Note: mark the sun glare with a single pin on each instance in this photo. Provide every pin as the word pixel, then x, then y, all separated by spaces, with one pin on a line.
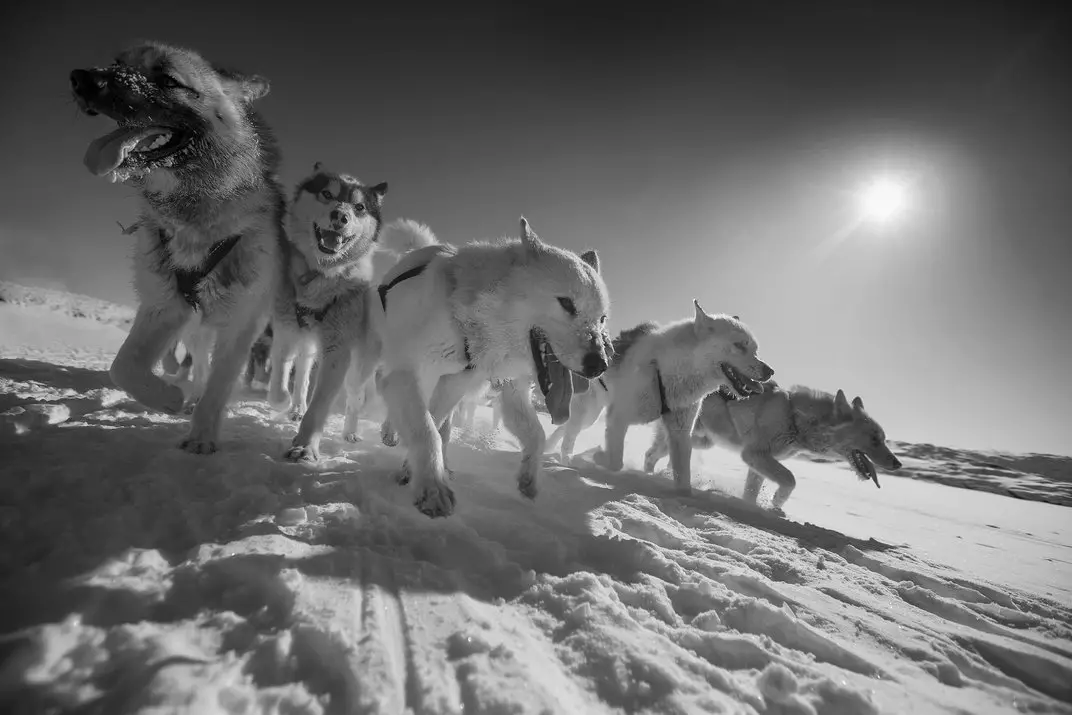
pixel 883 200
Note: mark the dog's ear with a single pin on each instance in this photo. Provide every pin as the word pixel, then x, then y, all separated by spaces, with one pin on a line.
pixel 592 259
pixel 254 87
pixel 858 404
pixel 736 317
pixel 528 236
pixel 701 315
pixel 379 191
pixel 841 404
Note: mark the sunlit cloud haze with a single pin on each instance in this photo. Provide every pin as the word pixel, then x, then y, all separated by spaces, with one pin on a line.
pixel 715 154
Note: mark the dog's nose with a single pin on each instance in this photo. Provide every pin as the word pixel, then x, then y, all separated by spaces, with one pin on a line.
pixel 594 365
pixel 81 80
pixel 339 217
pixel 896 463
pixel 766 372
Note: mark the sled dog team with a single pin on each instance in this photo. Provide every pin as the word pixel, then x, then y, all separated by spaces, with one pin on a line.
pixel 223 252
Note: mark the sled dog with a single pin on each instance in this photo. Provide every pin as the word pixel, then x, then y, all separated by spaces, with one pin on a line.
pixel 777 424
pixel 323 306
pixel 453 318
pixel 210 234
pixel 663 373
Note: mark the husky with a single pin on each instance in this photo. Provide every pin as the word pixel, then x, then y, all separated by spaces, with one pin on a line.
pixel 210 235
pixel 297 346
pixel 324 305
pixel 663 373
pixel 451 318
pixel 776 424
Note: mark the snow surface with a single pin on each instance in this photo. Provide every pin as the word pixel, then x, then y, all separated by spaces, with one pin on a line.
pixel 140 579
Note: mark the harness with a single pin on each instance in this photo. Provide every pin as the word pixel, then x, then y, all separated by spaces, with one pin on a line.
pixel 413 273
pixel 664 409
pixel 302 313
pixel 188 280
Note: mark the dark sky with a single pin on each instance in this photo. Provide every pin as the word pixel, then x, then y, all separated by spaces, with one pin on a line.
pixel 707 150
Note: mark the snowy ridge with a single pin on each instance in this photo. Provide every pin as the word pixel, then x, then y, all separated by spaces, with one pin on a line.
pixel 72 304
pixel 138 578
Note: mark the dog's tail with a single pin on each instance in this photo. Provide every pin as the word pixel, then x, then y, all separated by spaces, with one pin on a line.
pixel 404 235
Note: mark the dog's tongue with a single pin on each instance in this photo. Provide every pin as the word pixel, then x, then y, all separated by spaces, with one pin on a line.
pixel 331 239
pixel 561 392
pixel 107 153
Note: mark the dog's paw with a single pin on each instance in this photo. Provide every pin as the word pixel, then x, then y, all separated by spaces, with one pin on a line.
pixel 526 484
pixel 387 435
pixel 435 501
pixel 190 406
pixel 402 476
pixel 600 458
pixel 302 453
pixel 279 403
pixel 296 415
pixel 352 437
pixel 198 446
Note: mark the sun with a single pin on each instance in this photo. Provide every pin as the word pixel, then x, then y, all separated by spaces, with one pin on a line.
pixel 883 200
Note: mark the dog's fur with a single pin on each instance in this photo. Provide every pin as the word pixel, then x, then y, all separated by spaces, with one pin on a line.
pixel 488 395
pixel 205 164
pixel 452 318
pixel 663 373
pixel 777 424
pixel 333 225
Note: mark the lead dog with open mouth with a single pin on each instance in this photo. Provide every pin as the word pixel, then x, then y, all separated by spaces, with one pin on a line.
pixel 210 235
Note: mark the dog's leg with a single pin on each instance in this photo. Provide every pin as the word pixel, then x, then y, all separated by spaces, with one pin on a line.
pixel 153 330
pixel 303 365
pixel 282 357
pixel 753 483
pixel 198 347
pixel 678 424
pixel 660 447
pixel 496 413
pixel 521 420
pixel 228 357
pixel 334 362
pixel 587 413
pixel 612 456
pixel 764 463
pixel 448 392
pixel 388 435
pixel 424 446
pixel 358 378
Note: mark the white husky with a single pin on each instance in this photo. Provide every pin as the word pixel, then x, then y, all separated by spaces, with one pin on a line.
pixel 664 373
pixel 451 318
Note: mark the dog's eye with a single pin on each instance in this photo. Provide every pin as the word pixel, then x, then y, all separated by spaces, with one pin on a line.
pixel 602 319
pixel 326 195
pixel 169 82
pixel 568 306
pixel 359 207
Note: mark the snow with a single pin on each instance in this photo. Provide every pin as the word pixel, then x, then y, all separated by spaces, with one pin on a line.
pixel 141 579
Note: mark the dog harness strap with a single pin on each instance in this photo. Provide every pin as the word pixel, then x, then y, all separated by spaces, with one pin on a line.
pixel 411 273
pixel 303 313
pixel 664 409
pixel 188 280
pixel 604 386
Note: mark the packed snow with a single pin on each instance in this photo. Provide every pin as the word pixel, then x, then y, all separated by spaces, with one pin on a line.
pixel 141 579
